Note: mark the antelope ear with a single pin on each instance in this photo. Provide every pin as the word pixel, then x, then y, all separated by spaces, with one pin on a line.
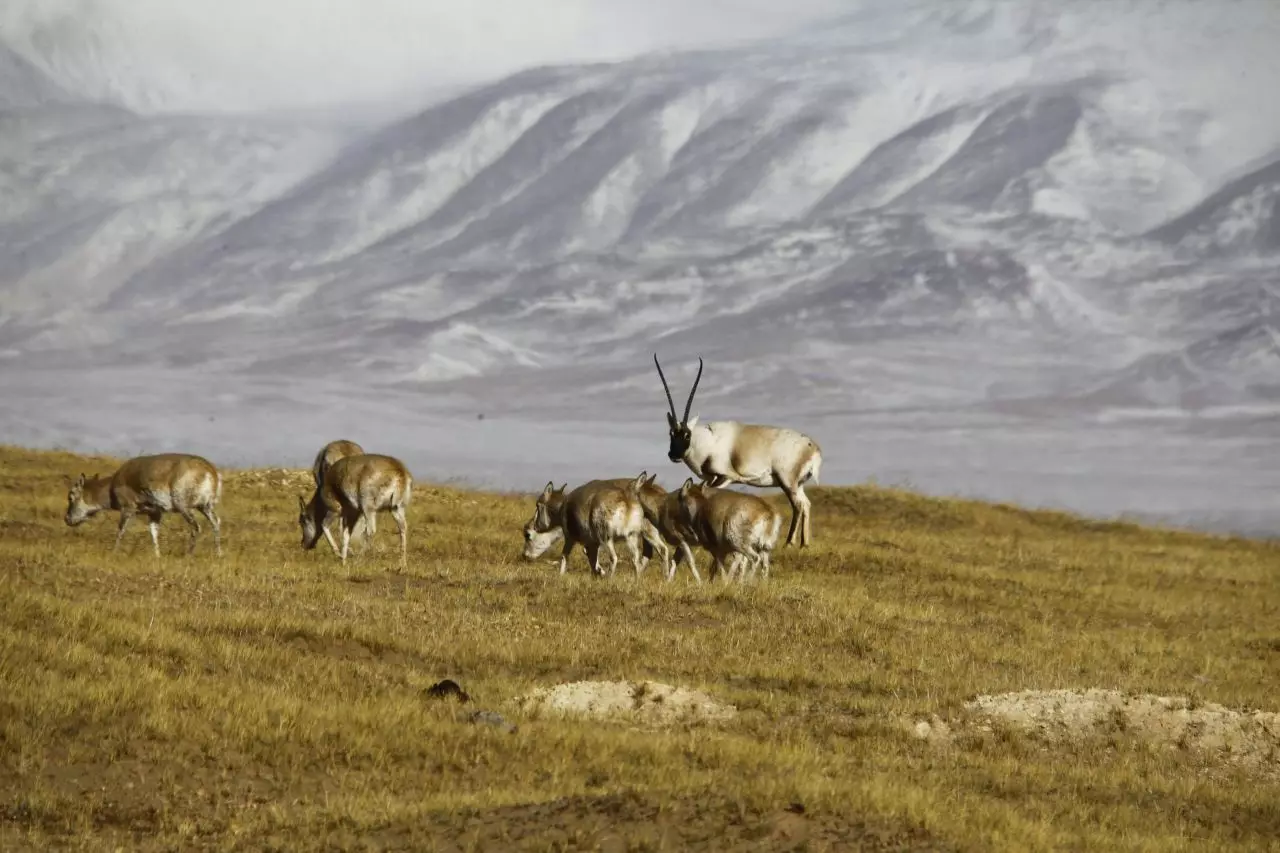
pixel 302 504
pixel 563 486
pixel 688 484
pixel 548 489
pixel 652 479
pixel 639 481
pixel 692 422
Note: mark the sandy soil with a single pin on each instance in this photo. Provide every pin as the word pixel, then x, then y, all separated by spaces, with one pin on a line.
pixel 649 702
pixel 1248 738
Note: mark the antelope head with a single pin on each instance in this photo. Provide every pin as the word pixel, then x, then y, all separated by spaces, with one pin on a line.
pixel 681 431
pixel 311 520
pixel 79 509
pixel 541 532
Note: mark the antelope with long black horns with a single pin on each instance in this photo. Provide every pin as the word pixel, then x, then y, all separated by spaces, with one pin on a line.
pixel 721 452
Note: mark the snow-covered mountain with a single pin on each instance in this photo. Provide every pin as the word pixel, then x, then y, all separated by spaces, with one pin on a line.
pixel 921 206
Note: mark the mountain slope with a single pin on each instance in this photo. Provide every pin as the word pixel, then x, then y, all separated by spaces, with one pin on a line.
pixel 24 86
pixel 1241 216
pixel 899 186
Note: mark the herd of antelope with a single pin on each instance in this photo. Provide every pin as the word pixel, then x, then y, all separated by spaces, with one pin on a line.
pixel 738 530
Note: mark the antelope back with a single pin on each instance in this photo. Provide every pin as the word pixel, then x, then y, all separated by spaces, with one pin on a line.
pixel 726 506
pixel 581 503
pixel 720 516
pixel 781 448
pixel 602 508
pixel 183 477
pixel 652 496
pixel 331 453
pixel 370 481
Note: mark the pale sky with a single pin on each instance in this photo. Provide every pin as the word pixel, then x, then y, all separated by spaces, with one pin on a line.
pixel 264 54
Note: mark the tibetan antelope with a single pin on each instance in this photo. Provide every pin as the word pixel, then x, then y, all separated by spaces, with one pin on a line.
pixel 329 454
pixel 736 528
pixel 721 452
pixel 662 509
pixel 357 488
pixel 594 514
pixel 152 486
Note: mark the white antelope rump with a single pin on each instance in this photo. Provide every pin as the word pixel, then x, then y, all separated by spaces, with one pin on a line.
pixel 721 452
pixel 735 527
pixel 594 514
pixel 152 486
pixel 329 454
pixel 355 489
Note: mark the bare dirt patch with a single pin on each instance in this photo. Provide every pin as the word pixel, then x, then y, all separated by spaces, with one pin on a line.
pixel 648 702
pixel 1247 738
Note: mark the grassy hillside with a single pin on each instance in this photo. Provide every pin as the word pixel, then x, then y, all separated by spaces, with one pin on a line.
pixel 275 700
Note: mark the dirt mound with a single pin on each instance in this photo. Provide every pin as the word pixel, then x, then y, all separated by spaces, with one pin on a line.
pixel 1248 738
pixel 643 701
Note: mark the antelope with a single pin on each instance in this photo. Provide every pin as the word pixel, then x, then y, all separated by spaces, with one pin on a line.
pixel 721 452
pixel 594 514
pixel 661 509
pixel 330 453
pixel 356 488
pixel 152 485
pixel 735 527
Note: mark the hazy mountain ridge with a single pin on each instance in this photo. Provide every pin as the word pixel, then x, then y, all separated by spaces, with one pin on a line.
pixel 984 247
pixel 901 211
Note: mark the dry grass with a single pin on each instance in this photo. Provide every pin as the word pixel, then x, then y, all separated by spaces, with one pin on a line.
pixel 273 700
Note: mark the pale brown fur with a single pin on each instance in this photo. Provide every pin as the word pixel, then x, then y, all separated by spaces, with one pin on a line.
pixel 356 489
pixel 662 510
pixel 735 527
pixel 594 514
pixel 152 485
pixel 329 454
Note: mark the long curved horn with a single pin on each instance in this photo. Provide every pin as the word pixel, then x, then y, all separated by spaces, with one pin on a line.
pixel 692 391
pixel 670 402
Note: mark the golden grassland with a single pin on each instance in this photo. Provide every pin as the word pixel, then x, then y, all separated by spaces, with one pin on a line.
pixel 274 700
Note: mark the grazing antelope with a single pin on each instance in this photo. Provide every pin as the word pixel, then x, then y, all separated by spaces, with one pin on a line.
pixel 355 489
pixel 594 514
pixel 662 510
pixel 721 452
pixel 735 527
pixel 329 454
pixel 152 486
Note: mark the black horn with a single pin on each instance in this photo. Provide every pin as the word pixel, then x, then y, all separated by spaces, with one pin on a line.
pixel 692 391
pixel 670 402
